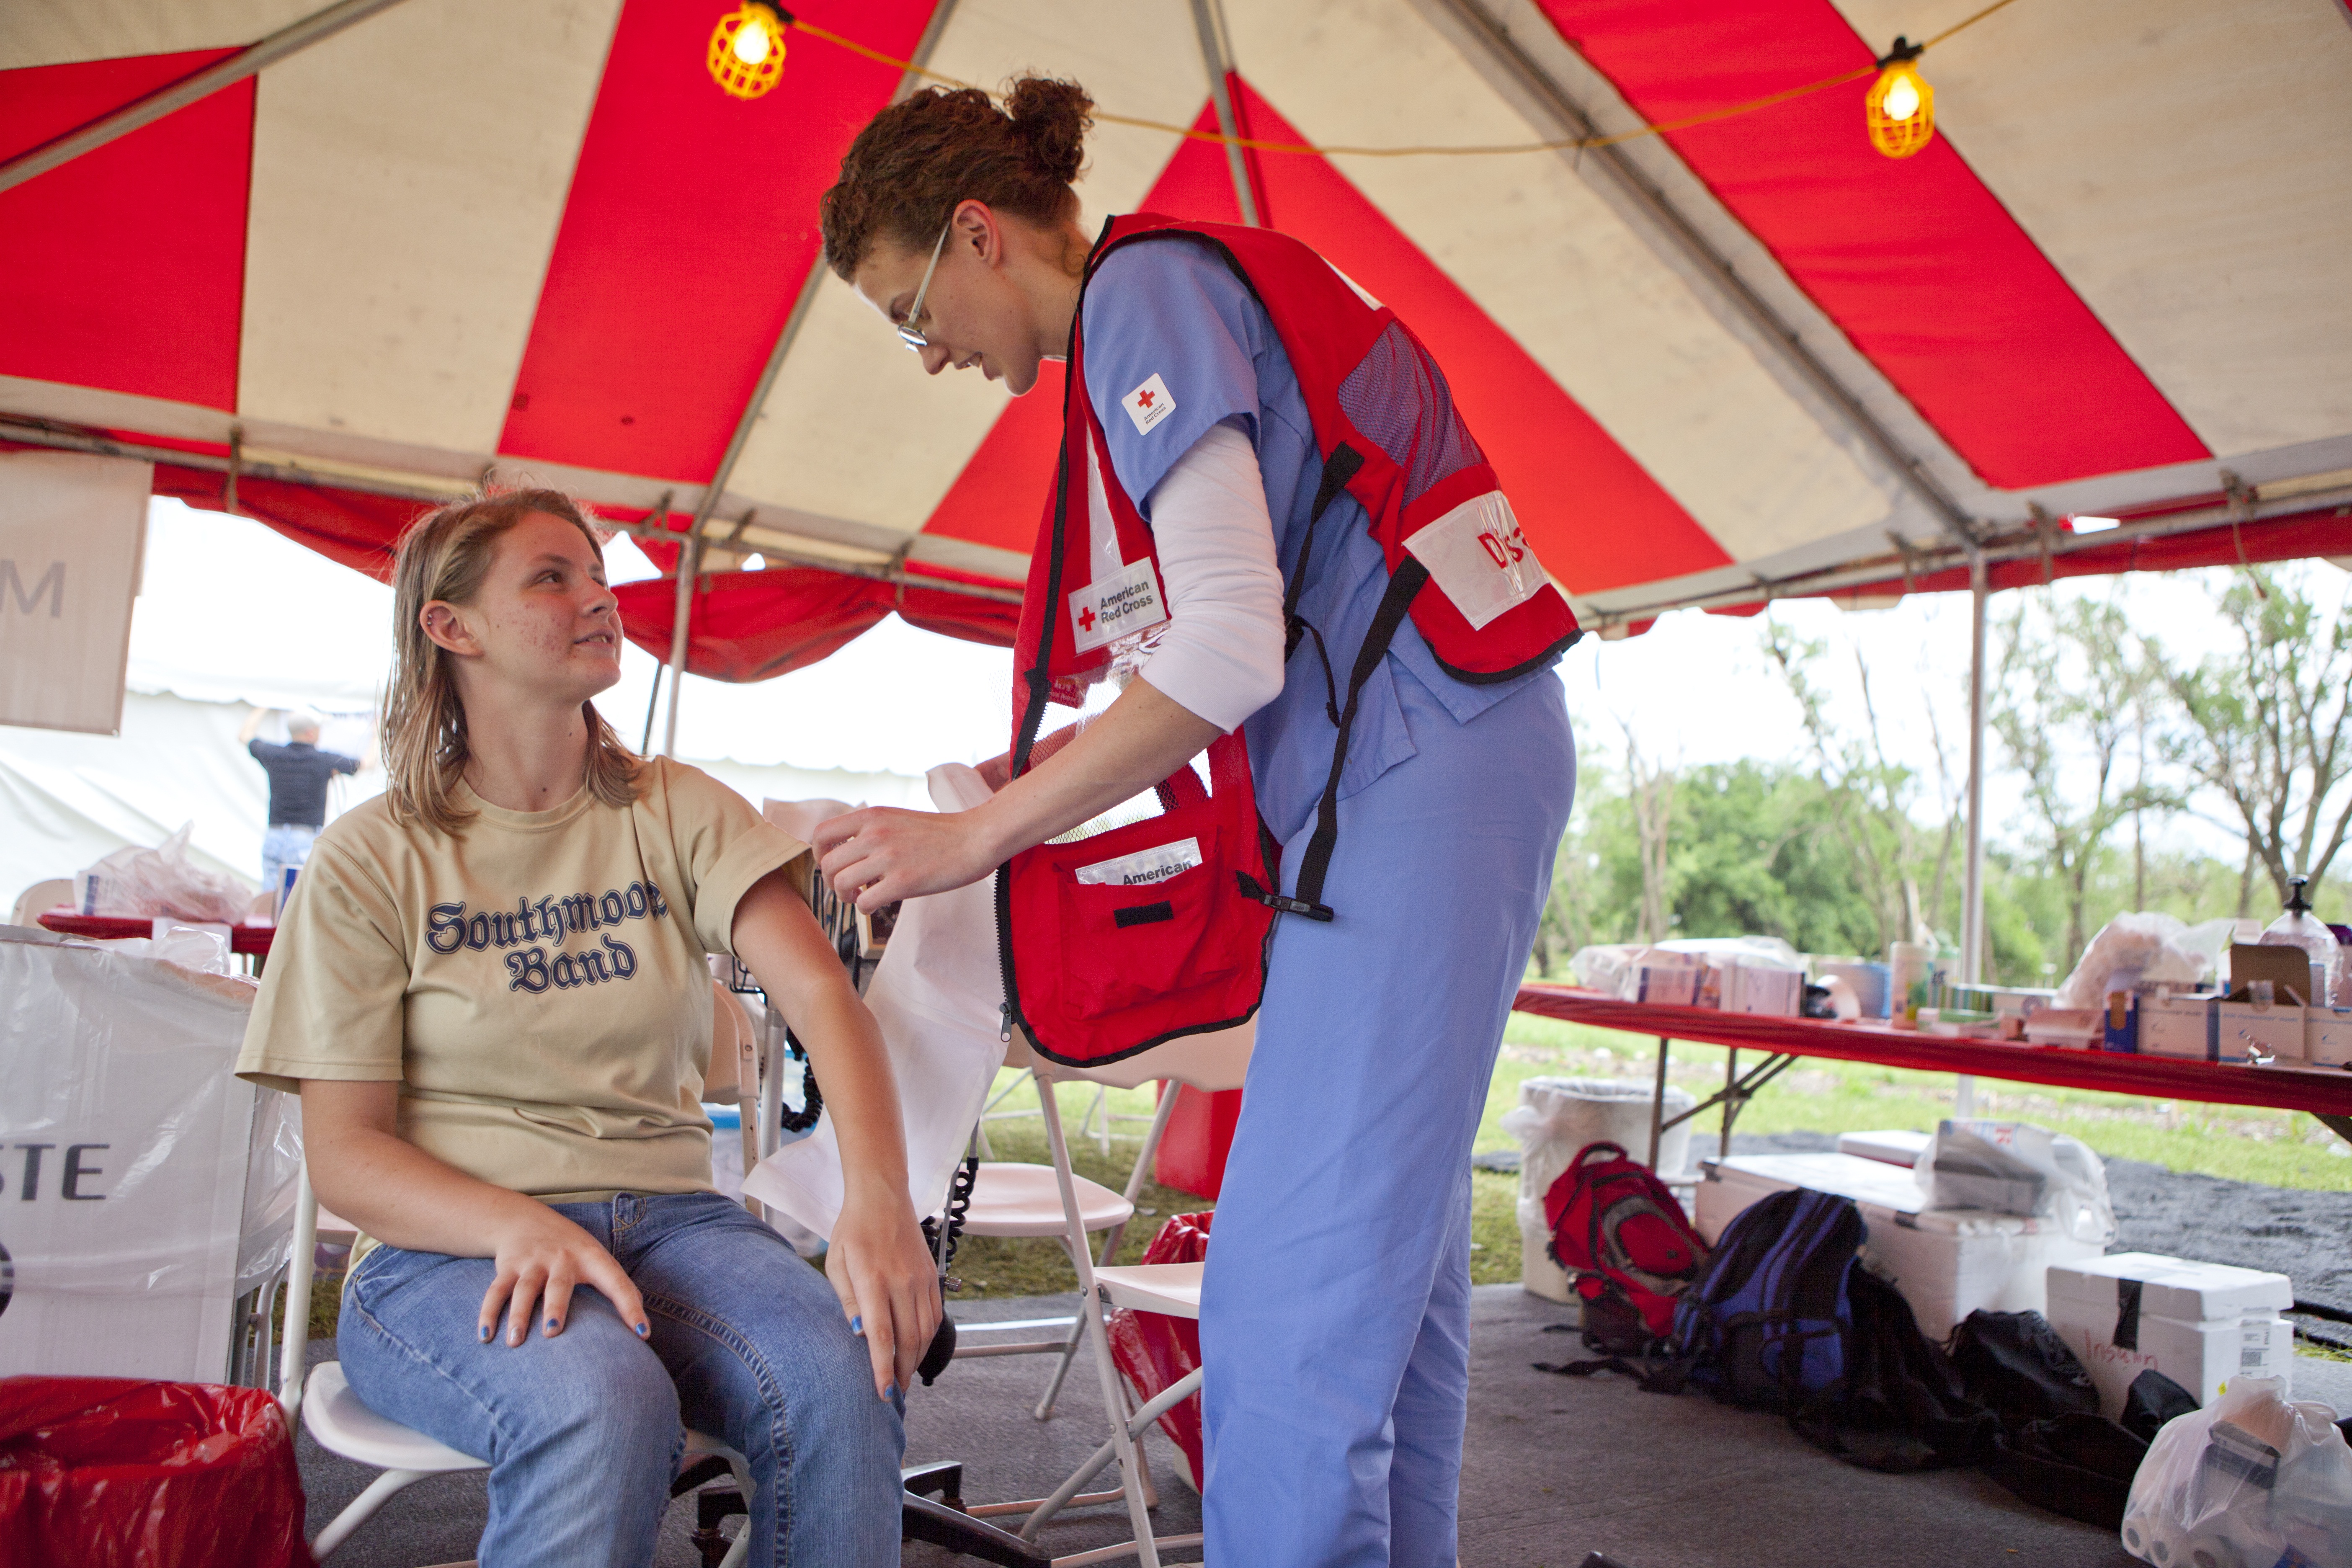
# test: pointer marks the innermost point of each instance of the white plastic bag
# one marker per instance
(939, 994)
(2249, 1482)
(2149, 946)
(137, 881)
(2015, 1167)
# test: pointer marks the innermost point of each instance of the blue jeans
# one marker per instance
(283, 845)
(583, 1431)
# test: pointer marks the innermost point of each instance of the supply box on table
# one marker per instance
(2202, 1325)
(1947, 1263)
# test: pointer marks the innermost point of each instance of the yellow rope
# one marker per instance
(1566, 145)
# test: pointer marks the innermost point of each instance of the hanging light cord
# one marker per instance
(1566, 145)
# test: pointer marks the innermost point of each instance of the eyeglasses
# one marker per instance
(915, 340)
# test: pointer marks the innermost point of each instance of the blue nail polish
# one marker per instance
(485, 1333)
(644, 1331)
(857, 1325)
(891, 1392)
(551, 1324)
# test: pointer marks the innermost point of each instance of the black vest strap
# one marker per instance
(1403, 586)
(1337, 469)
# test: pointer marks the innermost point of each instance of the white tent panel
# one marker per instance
(104, 30)
(408, 177)
(1556, 268)
(850, 431)
(2205, 213)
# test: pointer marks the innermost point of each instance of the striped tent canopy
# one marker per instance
(1745, 358)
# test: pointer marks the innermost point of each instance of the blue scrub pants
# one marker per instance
(1335, 1316)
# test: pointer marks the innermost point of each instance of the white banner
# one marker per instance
(72, 531)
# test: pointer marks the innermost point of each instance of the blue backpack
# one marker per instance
(1768, 1322)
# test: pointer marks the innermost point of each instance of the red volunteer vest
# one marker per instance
(1123, 941)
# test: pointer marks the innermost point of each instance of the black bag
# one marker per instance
(2055, 1450)
(1904, 1406)
(2017, 1363)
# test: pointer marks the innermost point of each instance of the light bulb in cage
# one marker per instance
(747, 49)
(1900, 107)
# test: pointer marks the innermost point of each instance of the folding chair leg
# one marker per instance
(363, 1508)
(1123, 1446)
(1070, 1348)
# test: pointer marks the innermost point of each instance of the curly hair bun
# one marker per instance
(916, 160)
(1054, 118)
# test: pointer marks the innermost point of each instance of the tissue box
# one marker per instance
(2200, 1324)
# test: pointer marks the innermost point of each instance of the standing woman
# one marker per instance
(1334, 1414)
(491, 988)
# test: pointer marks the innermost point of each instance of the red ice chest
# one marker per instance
(1199, 1135)
(118, 1472)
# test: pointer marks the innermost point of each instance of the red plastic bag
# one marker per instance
(1154, 1350)
(118, 1472)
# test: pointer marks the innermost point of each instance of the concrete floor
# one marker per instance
(1554, 1467)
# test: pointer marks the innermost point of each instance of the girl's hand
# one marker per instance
(880, 854)
(888, 1284)
(542, 1257)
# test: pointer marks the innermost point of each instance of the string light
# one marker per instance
(1900, 107)
(747, 49)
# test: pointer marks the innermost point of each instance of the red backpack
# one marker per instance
(1623, 1238)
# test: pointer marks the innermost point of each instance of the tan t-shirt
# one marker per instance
(537, 982)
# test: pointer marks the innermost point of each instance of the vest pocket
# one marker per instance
(1127, 944)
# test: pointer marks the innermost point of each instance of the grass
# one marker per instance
(2245, 1144)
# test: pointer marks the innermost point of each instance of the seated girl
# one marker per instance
(490, 989)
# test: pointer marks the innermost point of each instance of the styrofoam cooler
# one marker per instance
(1947, 1263)
(147, 1188)
(2200, 1324)
(1560, 1116)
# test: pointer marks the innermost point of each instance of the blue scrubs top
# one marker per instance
(1172, 307)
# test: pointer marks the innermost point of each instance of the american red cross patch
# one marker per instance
(1148, 404)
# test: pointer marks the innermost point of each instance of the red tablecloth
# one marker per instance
(110, 927)
(2322, 1091)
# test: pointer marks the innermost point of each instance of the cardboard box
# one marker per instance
(2327, 1040)
(2241, 1030)
(2200, 1324)
(2177, 1027)
(1752, 988)
(1671, 986)
(1947, 1263)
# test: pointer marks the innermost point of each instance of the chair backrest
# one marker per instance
(40, 898)
(731, 1041)
(1212, 1061)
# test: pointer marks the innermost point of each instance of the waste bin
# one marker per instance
(118, 1472)
(1554, 1119)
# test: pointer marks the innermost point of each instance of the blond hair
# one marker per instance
(444, 555)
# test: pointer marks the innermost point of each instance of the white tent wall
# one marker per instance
(68, 800)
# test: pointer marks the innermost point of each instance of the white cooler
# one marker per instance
(1947, 1262)
(2200, 1324)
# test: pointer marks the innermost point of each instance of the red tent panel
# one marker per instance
(125, 268)
(750, 625)
(690, 226)
(1596, 519)
(1920, 265)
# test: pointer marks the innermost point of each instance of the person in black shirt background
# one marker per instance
(298, 775)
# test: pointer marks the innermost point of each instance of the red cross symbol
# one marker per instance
(1086, 620)
(1143, 398)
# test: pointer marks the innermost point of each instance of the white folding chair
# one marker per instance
(1206, 1062)
(1010, 1198)
(340, 1423)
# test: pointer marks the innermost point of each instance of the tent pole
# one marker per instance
(1972, 953)
(1213, 51)
(690, 566)
(287, 40)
